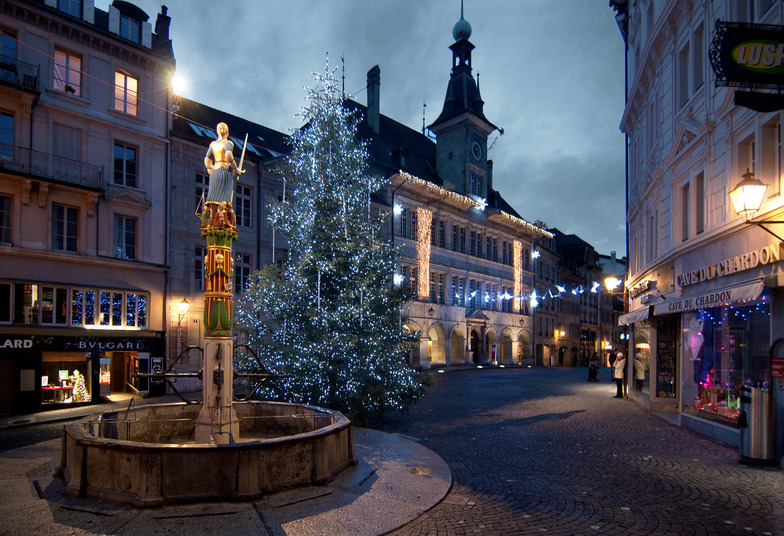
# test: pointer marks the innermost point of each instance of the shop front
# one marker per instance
(701, 330)
(45, 372)
(723, 346)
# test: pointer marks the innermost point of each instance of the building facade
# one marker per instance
(704, 287)
(84, 100)
(466, 253)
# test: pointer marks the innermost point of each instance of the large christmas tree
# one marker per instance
(330, 318)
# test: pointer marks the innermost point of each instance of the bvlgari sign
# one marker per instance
(749, 55)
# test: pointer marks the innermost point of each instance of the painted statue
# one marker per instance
(222, 168)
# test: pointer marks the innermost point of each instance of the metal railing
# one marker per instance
(23, 160)
(19, 73)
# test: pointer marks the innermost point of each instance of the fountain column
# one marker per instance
(217, 421)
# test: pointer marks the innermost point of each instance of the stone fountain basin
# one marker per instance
(146, 456)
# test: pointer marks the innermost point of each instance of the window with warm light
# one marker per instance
(126, 89)
(67, 72)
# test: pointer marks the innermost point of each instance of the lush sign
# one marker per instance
(748, 55)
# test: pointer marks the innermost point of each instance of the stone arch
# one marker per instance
(437, 345)
(476, 345)
(490, 340)
(505, 354)
(524, 355)
(415, 355)
(458, 345)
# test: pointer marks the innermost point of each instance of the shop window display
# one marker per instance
(725, 348)
(65, 378)
(666, 372)
(642, 357)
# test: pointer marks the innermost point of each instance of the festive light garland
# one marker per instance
(424, 230)
(517, 256)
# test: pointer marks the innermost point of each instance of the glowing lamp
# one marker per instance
(611, 283)
(748, 195)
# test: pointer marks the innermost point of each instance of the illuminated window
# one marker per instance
(67, 72)
(126, 90)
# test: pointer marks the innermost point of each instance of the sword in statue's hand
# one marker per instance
(242, 158)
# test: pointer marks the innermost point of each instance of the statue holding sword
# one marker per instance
(222, 168)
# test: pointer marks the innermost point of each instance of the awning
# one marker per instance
(714, 298)
(633, 317)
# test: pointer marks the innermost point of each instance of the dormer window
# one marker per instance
(130, 22)
(129, 29)
(71, 7)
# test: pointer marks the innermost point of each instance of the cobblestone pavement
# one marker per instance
(542, 451)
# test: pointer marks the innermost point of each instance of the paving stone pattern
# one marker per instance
(543, 451)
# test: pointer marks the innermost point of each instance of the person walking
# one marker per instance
(619, 372)
(593, 368)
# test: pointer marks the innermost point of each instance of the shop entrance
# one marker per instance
(117, 373)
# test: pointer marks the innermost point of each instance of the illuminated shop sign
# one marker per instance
(739, 263)
(16, 343)
(748, 55)
(111, 345)
(643, 286)
(738, 294)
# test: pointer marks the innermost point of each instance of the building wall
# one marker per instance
(688, 147)
(61, 156)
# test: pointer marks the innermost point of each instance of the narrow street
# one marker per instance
(542, 451)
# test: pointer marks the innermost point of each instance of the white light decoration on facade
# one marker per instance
(438, 190)
(517, 264)
(527, 225)
(424, 228)
(398, 279)
(595, 287)
(397, 209)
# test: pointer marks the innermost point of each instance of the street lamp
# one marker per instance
(184, 306)
(747, 199)
(610, 283)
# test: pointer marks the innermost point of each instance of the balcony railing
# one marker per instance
(49, 166)
(19, 73)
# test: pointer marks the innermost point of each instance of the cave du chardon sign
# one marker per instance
(747, 291)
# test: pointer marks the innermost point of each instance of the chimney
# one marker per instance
(373, 97)
(162, 24)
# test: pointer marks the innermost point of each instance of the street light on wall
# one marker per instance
(184, 306)
(747, 199)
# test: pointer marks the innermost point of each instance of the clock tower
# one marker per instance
(462, 128)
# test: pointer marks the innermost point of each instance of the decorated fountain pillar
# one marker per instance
(217, 421)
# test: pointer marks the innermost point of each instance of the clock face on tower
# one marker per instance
(476, 150)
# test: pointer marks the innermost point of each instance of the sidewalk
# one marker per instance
(396, 480)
